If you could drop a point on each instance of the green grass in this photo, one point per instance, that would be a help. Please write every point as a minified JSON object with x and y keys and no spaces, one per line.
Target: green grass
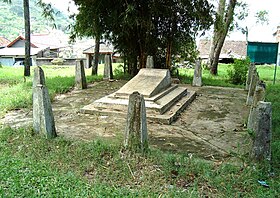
{"x":266,"y":73}
{"x":32,"y":166}
{"x":16,"y":91}
{"x":273,"y":95}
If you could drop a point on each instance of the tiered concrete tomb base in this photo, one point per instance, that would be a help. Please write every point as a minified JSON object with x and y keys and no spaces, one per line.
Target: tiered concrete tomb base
{"x":164,"y":101}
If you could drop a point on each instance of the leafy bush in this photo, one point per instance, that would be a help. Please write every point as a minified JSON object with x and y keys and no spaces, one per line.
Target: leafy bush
{"x":57,"y":61}
{"x":238,"y":72}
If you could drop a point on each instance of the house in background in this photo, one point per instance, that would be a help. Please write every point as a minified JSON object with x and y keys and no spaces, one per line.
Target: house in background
{"x":3,"y":42}
{"x":14,"y":53}
{"x":231,"y":50}
{"x":103,"y":50}
{"x":52,"y":42}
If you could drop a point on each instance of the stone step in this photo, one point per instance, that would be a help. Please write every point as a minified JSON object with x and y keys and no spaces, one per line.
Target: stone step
{"x":153,"y":114}
{"x":172,"y":114}
{"x":167,"y":101}
{"x":162,"y":94}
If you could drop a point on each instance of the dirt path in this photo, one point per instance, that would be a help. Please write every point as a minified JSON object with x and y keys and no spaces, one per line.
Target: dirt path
{"x":211,"y":127}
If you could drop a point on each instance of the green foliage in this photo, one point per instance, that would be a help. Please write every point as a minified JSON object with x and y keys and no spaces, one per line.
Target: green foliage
{"x":12,"y":23}
{"x":272,"y":95}
{"x":141,"y":28}
{"x":186,"y":76}
{"x":238,"y":72}
{"x":119,"y":73}
{"x":57,"y":61}
{"x":262,"y":17}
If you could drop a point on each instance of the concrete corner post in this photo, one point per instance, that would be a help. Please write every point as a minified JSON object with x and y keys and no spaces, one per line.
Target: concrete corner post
{"x":108,"y":69}
{"x":262,"y":130}
{"x":150,"y":62}
{"x":136,"y":135}
{"x":80,"y":77}
{"x":259,"y":95}
{"x":43,"y":119}
{"x":251,"y":68}
{"x":252,"y":88}
{"x":197,"y":77}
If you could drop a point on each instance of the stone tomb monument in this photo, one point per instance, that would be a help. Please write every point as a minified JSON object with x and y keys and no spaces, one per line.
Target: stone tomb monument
{"x":163,"y":100}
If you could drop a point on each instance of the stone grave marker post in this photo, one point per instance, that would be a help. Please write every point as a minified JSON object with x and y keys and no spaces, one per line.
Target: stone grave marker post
{"x":43,"y":120}
{"x":262,"y":130}
{"x":136,"y":135}
{"x":259,"y":95}
{"x":80,"y":77}
{"x":150,"y":62}
{"x":251,"y":68}
{"x":108,"y":69}
{"x":252,"y":88}
{"x":197,"y":77}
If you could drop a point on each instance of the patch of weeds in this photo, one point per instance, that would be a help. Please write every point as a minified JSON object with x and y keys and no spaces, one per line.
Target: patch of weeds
{"x":238,"y":72}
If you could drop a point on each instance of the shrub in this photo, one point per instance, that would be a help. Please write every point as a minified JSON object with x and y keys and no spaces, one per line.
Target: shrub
{"x":57,"y":61}
{"x":238,"y":71}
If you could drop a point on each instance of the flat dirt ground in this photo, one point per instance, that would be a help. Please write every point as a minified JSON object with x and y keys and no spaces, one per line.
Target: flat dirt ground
{"x":212,"y":127}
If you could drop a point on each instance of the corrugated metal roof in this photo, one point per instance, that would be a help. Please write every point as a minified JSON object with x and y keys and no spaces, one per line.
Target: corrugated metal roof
{"x":103,"y":49}
{"x":231,"y":49}
{"x":49,"y":40}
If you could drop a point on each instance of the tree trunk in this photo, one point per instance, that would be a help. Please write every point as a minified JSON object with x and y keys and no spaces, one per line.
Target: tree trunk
{"x":96,"y":56}
{"x":221,"y":26}
{"x":168,"y":55}
{"x":27,"y":37}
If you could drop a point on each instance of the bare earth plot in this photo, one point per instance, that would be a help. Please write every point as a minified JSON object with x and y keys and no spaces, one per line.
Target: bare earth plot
{"x":211,"y":127}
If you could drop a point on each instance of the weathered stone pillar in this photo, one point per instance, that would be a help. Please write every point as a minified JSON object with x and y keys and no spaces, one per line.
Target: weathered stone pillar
{"x":197,"y":77}
{"x":136,"y":135}
{"x":262,"y":131}
{"x":43,"y":120}
{"x":80,"y":77}
{"x":108,"y":69}
{"x":251,"y":68}
{"x":89,"y":61}
{"x":259,"y":95}
{"x":150,"y":62}
{"x":252,"y":88}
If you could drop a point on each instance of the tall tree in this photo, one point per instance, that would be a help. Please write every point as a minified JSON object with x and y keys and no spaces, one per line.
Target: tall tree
{"x":27,"y":61}
{"x":96,"y":56}
{"x":141,"y":28}
{"x":223,"y":20}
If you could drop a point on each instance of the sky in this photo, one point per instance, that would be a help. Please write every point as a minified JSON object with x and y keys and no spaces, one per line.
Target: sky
{"x":257,"y":32}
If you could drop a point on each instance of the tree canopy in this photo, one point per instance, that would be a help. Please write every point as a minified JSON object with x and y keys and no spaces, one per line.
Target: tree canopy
{"x":160,"y":28}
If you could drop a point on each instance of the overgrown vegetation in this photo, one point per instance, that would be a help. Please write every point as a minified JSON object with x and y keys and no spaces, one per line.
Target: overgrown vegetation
{"x":32,"y":166}
{"x":16,"y":91}
{"x":238,"y":71}
{"x":273,"y":94}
